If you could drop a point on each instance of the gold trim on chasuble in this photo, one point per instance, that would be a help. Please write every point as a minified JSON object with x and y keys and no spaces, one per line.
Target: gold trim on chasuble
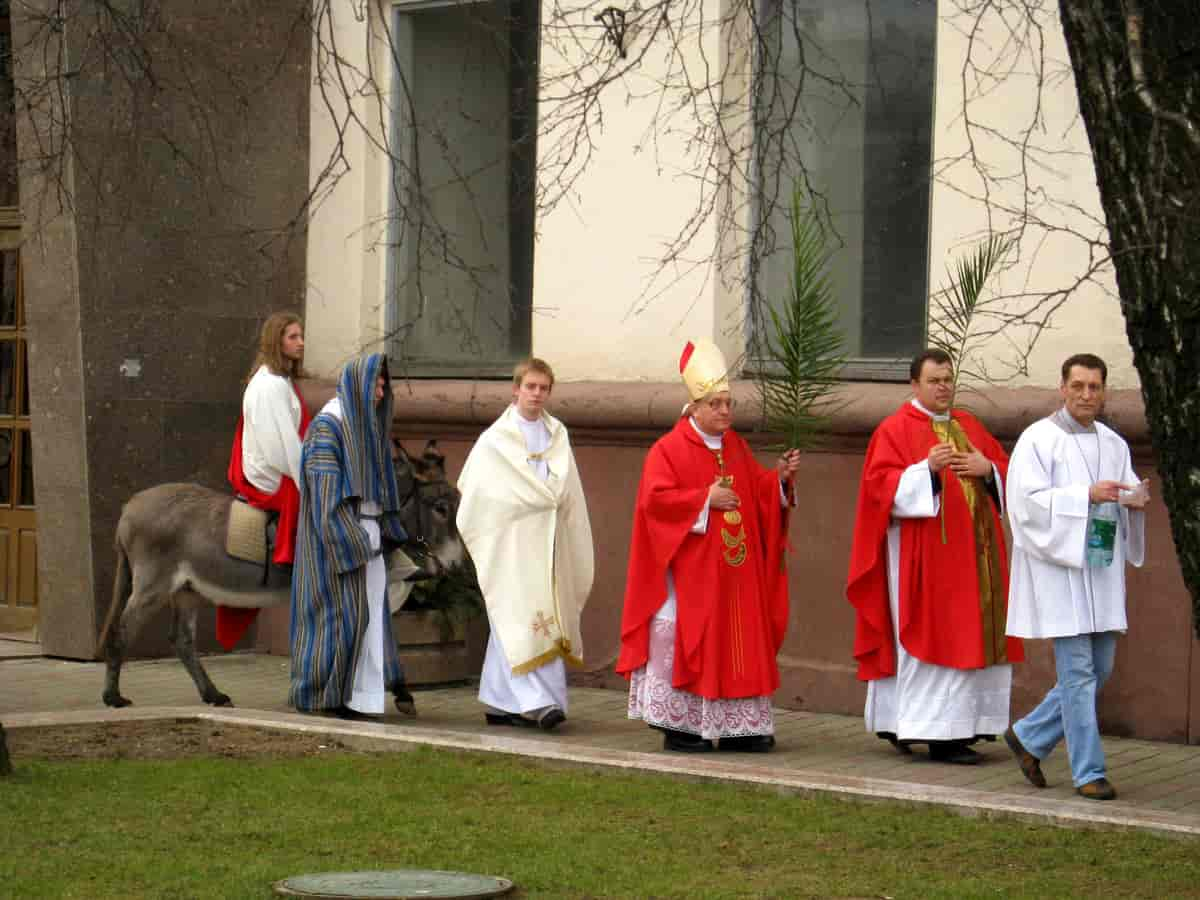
{"x":735,"y":544}
{"x":993,"y":607}
{"x":735,"y":555}
{"x":562,"y":647}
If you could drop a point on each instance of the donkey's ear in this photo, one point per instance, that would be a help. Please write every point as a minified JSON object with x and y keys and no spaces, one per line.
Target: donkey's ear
{"x":433,"y":455}
{"x":398,"y":451}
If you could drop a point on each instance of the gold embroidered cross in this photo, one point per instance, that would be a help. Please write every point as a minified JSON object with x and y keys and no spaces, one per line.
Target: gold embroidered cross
{"x":542,"y":624}
{"x":726,"y":480}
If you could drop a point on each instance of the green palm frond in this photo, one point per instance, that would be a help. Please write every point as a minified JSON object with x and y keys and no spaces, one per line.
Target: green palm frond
{"x":804,"y":344}
{"x":957,"y":310}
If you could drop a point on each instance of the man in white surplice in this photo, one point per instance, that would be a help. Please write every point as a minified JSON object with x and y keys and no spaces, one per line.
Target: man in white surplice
{"x":524,"y":521}
{"x":1077,"y":514}
{"x":927,"y":575}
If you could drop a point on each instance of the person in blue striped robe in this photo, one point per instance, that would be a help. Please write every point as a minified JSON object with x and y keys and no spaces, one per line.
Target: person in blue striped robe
{"x":344,"y":658}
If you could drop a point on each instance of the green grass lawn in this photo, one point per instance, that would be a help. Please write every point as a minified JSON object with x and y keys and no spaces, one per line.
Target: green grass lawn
{"x":230,"y":828}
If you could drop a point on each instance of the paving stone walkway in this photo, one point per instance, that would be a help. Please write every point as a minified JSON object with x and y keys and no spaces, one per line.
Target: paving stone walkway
{"x":1159,"y":783}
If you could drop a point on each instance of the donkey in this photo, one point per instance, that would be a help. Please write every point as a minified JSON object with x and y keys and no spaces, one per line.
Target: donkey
{"x":170,"y":545}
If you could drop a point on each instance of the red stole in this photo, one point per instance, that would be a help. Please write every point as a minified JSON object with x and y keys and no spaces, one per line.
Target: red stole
{"x":941,"y":620}
{"x":731,"y":582}
{"x":232,"y":622}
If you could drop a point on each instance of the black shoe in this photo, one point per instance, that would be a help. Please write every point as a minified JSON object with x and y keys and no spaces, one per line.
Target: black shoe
{"x":512,"y":719}
{"x":754,"y":743}
{"x":890,"y":736}
{"x":405,"y":704}
{"x":682,"y":742}
{"x":551,"y":719}
{"x":956,"y":753}
{"x":353,"y":715}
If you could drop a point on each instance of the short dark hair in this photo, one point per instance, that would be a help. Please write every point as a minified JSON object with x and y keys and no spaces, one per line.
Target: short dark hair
{"x":1088,"y":361}
{"x":938,"y":357}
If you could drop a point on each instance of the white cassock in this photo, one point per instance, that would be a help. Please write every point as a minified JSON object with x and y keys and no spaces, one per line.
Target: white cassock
{"x":270,"y":431}
{"x":545,"y":686}
{"x":922,"y":701}
{"x":1052,"y":592}
{"x":368,"y":694}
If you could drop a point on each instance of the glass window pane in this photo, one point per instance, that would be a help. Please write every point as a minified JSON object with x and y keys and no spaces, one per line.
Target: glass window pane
{"x":8,"y":288}
{"x":8,"y":374}
{"x":461,"y":269}
{"x":23,"y":409}
{"x":26,"y":491}
{"x":6,"y":452}
{"x":847,"y":102}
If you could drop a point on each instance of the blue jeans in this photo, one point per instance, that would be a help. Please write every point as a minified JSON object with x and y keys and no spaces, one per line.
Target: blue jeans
{"x":1083,"y":663}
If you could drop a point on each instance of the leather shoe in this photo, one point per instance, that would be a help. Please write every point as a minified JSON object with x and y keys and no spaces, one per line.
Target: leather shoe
{"x":551,"y":719}
{"x":956,"y":753}
{"x":1099,"y":789}
{"x":1031,"y":766}
{"x":754,"y":743}
{"x":353,"y":715}
{"x":890,"y":736}
{"x":405,"y":705}
{"x":682,"y":742}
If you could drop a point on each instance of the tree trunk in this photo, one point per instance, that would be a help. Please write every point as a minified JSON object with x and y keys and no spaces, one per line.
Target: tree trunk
{"x":5,"y":762}
{"x":1139,"y":94}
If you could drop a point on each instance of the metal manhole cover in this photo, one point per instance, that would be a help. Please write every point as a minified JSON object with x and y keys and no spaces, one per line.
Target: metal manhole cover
{"x":398,"y":884}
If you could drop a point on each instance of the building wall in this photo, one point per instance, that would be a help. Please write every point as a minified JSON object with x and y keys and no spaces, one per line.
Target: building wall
{"x":613,"y":330}
{"x":1025,"y":131}
{"x":149,"y":265}
{"x":605,"y":305}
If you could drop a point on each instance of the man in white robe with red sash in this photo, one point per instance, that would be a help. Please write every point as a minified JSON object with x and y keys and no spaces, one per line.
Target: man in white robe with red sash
{"x":524,"y":520}
{"x":928,"y":576}
{"x":706,"y":596}
{"x":264,"y":465}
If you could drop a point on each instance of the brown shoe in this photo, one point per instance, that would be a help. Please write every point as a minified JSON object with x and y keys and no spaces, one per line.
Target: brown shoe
{"x":1031,"y":766}
{"x":1099,"y":789}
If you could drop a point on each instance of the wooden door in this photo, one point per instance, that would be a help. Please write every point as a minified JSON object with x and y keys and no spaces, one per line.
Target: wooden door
{"x":18,"y":519}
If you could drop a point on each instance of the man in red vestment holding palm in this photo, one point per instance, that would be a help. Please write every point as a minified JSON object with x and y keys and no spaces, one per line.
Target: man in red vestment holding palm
{"x":706,"y":602}
{"x":929,"y":574}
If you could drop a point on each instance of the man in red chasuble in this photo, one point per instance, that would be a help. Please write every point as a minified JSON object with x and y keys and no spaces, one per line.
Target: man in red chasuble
{"x":929,"y":575}
{"x":706,"y":601}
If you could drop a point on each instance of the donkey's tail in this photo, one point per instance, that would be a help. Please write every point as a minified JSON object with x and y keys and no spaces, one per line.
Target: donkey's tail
{"x":122,"y":588}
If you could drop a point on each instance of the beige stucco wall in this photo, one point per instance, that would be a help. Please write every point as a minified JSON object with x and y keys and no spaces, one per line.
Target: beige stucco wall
{"x":1052,"y":183}
{"x":348,"y":174}
{"x":598,"y":312}
{"x":606,"y":308}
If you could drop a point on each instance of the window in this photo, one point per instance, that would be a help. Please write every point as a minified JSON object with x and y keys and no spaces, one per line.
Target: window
{"x":846,"y":92}
{"x":463,"y":199}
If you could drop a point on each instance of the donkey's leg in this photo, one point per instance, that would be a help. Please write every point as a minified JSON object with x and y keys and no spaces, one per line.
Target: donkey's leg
{"x":121,"y":634}
{"x":183,"y":638}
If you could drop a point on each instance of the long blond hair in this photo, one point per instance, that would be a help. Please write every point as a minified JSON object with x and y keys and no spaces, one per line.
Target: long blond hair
{"x":270,"y":344}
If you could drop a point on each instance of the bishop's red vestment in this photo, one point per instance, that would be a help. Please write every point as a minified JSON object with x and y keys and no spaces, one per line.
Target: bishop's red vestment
{"x":730,"y":582}
{"x":951,"y":570}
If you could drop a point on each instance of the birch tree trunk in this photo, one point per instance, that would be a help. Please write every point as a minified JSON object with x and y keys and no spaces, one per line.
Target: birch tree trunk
{"x":1137,"y":72}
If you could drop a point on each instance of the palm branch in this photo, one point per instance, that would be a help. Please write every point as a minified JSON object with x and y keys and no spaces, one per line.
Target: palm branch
{"x":957,"y":310}
{"x":804,"y":344}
